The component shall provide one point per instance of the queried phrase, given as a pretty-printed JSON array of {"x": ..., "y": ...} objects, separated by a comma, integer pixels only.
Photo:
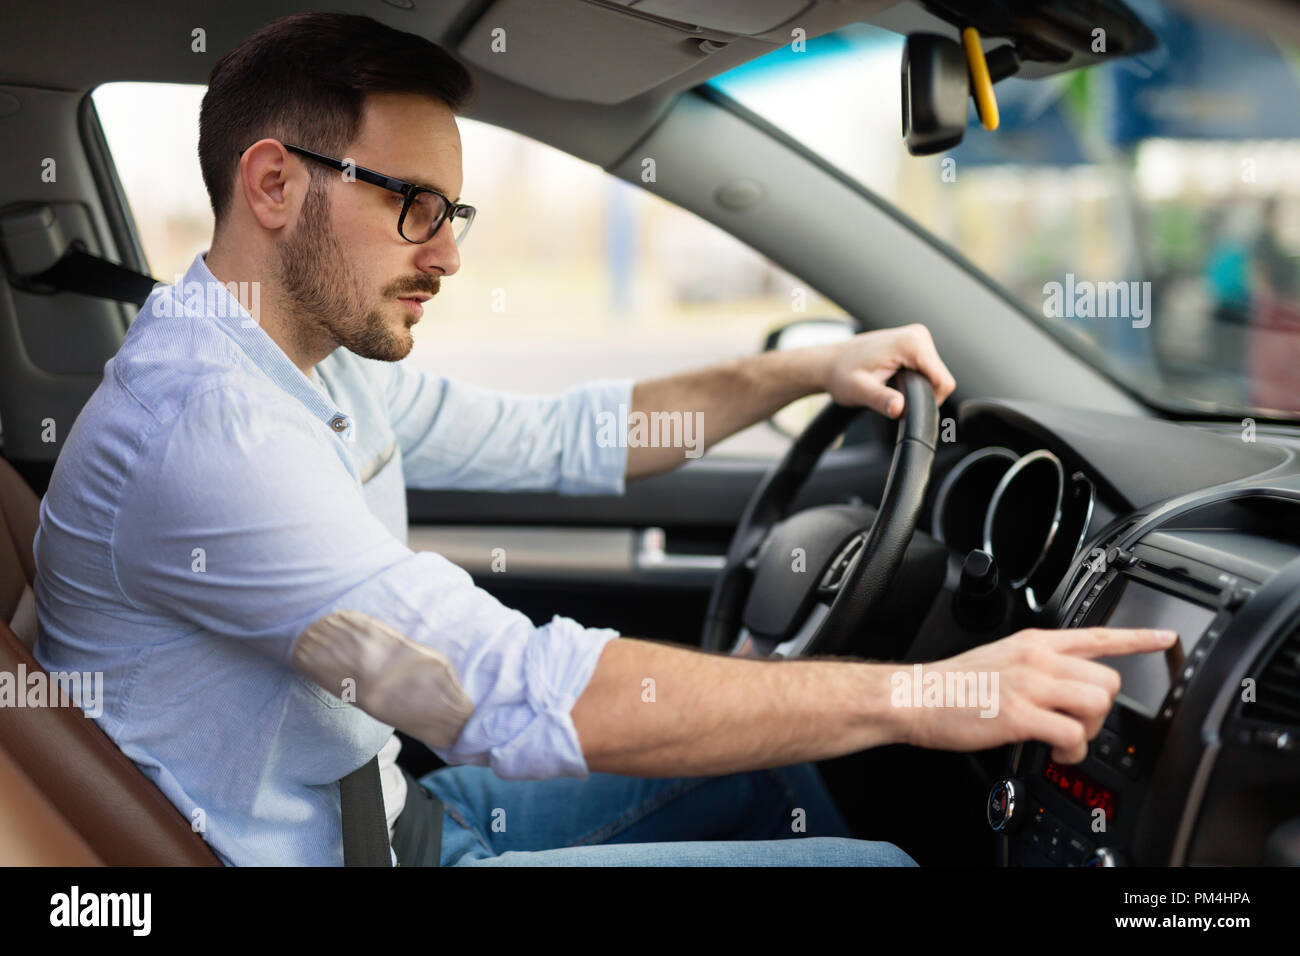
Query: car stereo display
[
  {"x": 1146, "y": 678},
  {"x": 1080, "y": 788}
]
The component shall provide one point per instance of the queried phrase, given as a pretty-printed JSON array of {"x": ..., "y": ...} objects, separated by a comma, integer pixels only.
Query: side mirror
[
  {"x": 936, "y": 90},
  {"x": 805, "y": 332},
  {"x": 791, "y": 420}
]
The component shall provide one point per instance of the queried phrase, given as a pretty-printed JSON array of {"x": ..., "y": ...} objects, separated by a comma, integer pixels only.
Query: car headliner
[
  {"x": 95, "y": 43},
  {"x": 597, "y": 82},
  {"x": 586, "y": 76}
]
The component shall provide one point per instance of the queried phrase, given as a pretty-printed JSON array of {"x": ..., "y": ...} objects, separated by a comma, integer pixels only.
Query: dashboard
[
  {"x": 1061, "y": 517},
  {"x": 1023, "y": 510}
]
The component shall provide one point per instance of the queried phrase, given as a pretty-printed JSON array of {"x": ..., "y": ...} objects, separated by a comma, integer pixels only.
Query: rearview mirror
[{"x": 936, "y": 90}]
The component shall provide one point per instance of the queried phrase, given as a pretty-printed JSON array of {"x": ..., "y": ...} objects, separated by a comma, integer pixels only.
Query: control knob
[
  {"x": 1104, "y": 856},
  {"x": 1008, "y": 805}
]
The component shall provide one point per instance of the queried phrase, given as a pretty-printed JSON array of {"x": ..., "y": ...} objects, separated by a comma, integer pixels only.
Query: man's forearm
[
  {"x": 655, "y": 710},
  {"x": 701, "y": 408},
  {"x": 723, "y": 399}
]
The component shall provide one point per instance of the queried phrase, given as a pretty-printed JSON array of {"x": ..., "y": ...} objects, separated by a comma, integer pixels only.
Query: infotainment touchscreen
[{"x": 1145, "y": 678}]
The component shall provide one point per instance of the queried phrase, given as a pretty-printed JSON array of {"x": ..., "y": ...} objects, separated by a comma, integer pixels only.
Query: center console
[{"x": 1104, "y": 810}]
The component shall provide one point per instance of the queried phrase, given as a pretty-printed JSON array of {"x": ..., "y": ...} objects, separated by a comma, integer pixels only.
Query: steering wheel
[{"x": 805, "y": 583}]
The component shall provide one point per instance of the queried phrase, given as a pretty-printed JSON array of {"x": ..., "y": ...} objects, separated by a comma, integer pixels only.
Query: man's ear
[{"x": 273, "y": 187}]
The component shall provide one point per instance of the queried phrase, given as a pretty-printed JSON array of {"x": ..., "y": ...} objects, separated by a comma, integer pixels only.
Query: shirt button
[{"x": 338, "y": 423}]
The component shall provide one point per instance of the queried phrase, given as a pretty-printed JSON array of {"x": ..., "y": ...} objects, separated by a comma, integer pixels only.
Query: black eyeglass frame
[{"x": 400, "y": 186}]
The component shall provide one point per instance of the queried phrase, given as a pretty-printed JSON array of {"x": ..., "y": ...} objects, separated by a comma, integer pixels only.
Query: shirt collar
[{"x": 203, "y": 294}]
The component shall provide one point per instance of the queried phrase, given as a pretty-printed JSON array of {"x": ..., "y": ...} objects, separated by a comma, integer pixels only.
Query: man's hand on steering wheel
[
  {"x": 762, "y": 604},
  {"x": 859, "y": 368}
]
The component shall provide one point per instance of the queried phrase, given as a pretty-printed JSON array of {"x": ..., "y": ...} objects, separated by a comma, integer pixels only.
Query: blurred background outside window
[{"x": 1179, "y": 168}]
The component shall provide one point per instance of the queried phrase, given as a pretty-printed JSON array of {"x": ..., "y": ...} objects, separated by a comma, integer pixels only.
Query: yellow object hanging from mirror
[{"x": 981, "y": 84}]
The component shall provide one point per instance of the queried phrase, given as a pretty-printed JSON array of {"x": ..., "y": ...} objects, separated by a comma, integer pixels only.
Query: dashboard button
[
  {"x": 1232, "y": 598},
  {"x": 1039, "y": 830},
  {"x": 1055, "y": 842},
  {"x": 1127, "y": 760},
  {"x": 1106, "y": 746},
  {"x": 1119, "y": 558},
  {"x": 1076, "y": 850},
  {"x": 1038, "y": 840}
]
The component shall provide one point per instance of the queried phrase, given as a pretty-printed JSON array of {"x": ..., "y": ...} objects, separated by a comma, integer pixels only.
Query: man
[{"x": 224, "y": 532}]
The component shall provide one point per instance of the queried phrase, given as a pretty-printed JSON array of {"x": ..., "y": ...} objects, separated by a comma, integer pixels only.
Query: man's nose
[{"x": 440, "y": 254}]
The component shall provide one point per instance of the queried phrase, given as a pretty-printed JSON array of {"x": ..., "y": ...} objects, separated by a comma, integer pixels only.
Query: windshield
[{"x": 1147, "y": 209}]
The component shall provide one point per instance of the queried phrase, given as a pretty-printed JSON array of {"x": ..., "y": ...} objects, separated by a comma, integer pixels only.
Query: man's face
[{"x": 344, "y": 269}]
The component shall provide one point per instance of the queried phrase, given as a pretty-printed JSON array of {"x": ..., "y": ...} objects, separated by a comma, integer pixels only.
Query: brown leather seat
[
  {"x": 32, "y": 833},
  {"x": 115, "y": 813}
]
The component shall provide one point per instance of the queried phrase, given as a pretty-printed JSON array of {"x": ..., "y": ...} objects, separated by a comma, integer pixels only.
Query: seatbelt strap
[
  {"x": 365, "y": 824},
  {"x": 80, "y": 271},
  {"x": 417, "y": 837}
]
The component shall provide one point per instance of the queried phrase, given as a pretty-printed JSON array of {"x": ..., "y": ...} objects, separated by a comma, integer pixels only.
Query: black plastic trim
[{"x": 112, "y": 197}]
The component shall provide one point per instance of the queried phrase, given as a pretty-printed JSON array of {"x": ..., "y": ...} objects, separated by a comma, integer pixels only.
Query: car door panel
[{"x": 643, "y": 562}]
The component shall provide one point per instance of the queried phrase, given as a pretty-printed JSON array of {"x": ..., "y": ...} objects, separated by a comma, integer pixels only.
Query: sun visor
[{"x": 612, "y": 50}]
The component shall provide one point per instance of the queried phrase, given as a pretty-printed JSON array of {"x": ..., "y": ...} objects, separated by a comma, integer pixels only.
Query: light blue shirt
[{"x": 211, "y": 501}]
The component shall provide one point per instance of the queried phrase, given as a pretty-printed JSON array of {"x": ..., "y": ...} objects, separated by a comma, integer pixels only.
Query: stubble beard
[{"x": 323, "y": 297}]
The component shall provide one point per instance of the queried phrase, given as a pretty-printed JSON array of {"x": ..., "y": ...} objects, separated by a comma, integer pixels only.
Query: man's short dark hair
[{"x": 303, "y": 79}]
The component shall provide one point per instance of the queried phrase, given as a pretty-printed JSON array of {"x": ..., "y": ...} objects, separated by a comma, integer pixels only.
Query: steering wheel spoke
[
  {"x": 753, "y": 548},
  {"x": 842, "y": 567},
  {"x": 750, "y": 645},
  {"x": 803, "y": 639}
]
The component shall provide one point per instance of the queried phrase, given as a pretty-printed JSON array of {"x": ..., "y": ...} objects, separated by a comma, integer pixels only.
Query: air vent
[
  {"x": 1277, "y": 689},
  {"x": 1091, "y": 550}
]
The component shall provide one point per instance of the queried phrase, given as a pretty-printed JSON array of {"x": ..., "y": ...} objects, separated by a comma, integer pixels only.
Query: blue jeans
[{"x": 781, "y": 817}]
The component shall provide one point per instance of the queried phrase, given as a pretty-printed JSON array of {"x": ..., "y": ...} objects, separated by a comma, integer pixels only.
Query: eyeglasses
[{"x": 424, "y": 210}]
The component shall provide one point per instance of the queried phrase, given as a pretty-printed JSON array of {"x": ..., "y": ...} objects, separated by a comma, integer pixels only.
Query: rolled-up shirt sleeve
[
  {"x": 457, "y": 435},
  {"x": 241, "y": 516}
]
